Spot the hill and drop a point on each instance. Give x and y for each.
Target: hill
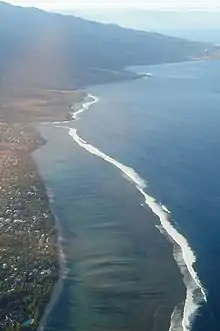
(56, 51)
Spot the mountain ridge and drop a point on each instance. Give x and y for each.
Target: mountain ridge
(62, 51)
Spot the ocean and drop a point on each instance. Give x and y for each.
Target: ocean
(142, 147)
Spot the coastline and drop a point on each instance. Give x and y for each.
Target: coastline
(133, 176)
(59, 284)
(85, 105)
(182, 253)
(135, 256)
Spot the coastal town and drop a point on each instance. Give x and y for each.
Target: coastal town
(29, 265)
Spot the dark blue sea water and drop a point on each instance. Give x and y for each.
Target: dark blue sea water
(166, 127)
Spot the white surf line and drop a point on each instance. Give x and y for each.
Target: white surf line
(165, 209)
(176, 320)
(85, 106)
(184, 255)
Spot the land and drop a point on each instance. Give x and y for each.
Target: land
(28, 237)
(37, 105)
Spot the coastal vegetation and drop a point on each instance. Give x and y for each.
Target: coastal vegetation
(28, 243)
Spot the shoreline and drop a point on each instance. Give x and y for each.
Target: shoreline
(84, 106)
(58, 286)
(162, 212)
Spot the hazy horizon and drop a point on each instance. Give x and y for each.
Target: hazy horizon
(194, 20)
(198, 25)
(153, 5)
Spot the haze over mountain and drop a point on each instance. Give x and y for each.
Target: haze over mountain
(58, 51)
(200, 25)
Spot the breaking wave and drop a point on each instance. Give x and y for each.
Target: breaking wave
(85, 106)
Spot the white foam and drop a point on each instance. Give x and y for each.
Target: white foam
(85, 106)
(185, 259)
(165, 209)
(129, 172)
(75, 114)
(176, 320)
(63, 122)
(184, 255)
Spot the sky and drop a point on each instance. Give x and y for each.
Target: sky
(62, 5)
